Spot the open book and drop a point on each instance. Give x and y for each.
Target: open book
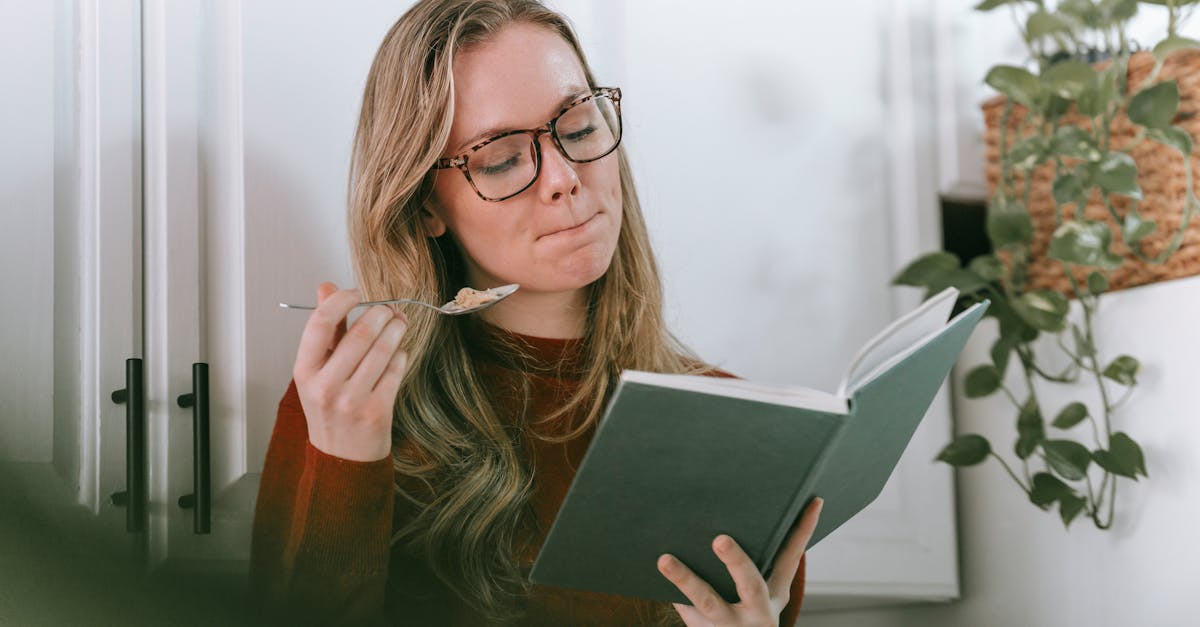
(679, 459)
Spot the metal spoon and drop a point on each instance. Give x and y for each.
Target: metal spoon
(450, 309)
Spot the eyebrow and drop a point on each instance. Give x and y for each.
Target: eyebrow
(576, 92)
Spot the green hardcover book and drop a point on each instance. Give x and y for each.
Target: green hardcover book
(677, 460)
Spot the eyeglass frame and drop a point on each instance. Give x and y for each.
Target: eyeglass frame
(460, 161)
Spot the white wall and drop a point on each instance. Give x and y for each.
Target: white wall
(766, 195)
(26, 230)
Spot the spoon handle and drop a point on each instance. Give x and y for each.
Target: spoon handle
(374, 302)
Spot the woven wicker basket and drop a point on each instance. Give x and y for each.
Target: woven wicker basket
(1161, 176)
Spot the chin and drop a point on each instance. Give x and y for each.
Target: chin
(575, 276)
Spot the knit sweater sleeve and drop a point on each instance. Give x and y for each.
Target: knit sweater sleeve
(322, 525)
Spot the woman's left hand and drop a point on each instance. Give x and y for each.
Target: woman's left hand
(760, 601)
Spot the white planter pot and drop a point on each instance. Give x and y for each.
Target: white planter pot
(1020, 566)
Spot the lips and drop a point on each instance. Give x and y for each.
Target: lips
(570, 228)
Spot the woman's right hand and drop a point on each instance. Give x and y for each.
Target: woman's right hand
(348, 380)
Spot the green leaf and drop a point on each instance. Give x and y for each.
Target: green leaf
(1083, 347)
(982, 381)
(1047, 489)
(1016, 83)
(1085, 244)
(1042, 23)
(1069, 506)
(965, 450)
(1068, 79)
(1011, 324)
(1109, 462)
(1135, 228)
(1099, 94)
(1068, 458)
(1045, 310)
(988, 5)
(1070, 416)
(987, 266)
(1123, 370)
(1173, 43)
(1031, 429)
(1117, 174)
(1009, 225)
(1072, 141)
(1118, 10)
(927, 269)
(1097, 283)
(965, 281)
(1068, 188)
(1128, 452)
(1001, 348)
(1155, 106)
(1029, 152)
(1174, 137)
(1084, 11)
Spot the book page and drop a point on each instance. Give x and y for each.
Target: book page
(740, 388)
(898, 336)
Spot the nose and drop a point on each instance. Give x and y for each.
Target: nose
(558, 177)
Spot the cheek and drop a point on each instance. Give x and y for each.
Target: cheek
(609, 181)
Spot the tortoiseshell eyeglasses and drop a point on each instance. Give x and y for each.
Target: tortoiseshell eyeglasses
(587, 129)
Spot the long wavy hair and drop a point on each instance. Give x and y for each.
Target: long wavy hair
(450, 435)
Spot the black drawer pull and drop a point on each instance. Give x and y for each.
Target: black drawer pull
(200, 500)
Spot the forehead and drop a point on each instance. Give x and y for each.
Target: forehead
(513, 80)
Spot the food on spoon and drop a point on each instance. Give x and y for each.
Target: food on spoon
(468, 298)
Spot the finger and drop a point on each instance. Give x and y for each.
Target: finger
(704, 599)
(689, 614)
(325, 290)
(751, 588)
(366, 376)
(788, 558)
(389, 384)
(354, 347)
(322, 327)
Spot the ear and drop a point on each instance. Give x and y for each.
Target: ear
(435, 226)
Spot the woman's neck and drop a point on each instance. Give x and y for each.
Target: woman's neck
(555, 315)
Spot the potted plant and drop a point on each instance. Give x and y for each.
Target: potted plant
(1090, 191)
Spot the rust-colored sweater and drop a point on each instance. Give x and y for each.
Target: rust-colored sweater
(320, 547)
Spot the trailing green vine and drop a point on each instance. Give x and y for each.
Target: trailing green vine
(1066, 43)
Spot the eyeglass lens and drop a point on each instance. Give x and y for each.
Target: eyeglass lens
(586, 131)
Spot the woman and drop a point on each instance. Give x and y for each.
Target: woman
(417, 459)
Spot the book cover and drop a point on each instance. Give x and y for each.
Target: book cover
(677, 460)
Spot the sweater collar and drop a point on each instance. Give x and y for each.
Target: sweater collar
(536, 355)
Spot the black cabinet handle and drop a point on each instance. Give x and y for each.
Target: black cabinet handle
(133, 497)
(200, 500)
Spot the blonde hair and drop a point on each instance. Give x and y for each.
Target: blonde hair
(454, 437)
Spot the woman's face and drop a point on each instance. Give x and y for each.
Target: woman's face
(518, 80)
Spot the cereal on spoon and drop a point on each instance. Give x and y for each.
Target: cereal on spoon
(468, 297)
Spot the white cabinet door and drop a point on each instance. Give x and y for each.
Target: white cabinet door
(250, 111)
(99, 287)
